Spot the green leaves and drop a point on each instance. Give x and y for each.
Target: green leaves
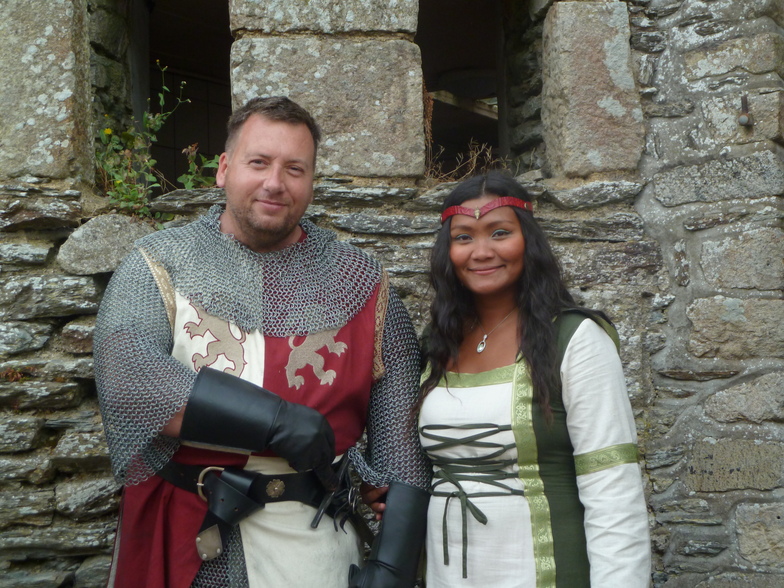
(126, 171)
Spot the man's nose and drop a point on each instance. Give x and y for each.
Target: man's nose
(274, 178)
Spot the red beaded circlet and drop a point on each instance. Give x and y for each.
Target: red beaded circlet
(478, 213)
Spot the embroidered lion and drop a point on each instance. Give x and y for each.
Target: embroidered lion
(306, 354)
(225, 343)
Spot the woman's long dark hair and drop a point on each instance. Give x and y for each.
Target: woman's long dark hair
(541, 294)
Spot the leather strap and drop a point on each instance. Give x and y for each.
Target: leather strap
(233, 494)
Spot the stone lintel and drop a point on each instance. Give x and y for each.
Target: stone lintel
(365, 94)
(326, 16)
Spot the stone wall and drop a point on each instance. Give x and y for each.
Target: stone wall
(664, 208)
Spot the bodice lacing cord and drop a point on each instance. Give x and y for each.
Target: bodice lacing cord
(487, 470)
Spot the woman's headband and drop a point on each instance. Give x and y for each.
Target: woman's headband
(478, 213)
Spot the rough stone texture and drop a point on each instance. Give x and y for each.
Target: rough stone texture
(324, 16)
(83, 499)
(591, 194)
(734, 464)
(767, 111)
(757, 54)
(756, 401)
(761, 533)
(20, 505)
(43, 296)
(22, 253)
(77, 336)
(45, 133)
(99, 245)
(59, 539)
(29, 207)
(19, 336)
(81, 452)
(93, 572)
(590, 106)
(733, 328)
(749, 260)
(19, 433)
(749, 175)
(372, 123)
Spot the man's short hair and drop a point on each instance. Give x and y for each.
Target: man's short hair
(277, 108)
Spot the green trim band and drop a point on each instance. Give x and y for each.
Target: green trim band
(501, 375)
(527, 452)
(602, 459)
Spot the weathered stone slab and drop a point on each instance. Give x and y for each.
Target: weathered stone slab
(750, 260)
(750, 175)
(365, 94)
(27, 297)
(608, 263)
(325, 16)
(591, 194)
(617, 227)
(20, 336)
(767, 111)
(188, 201)
(38, 210)
(34, 394)
(57, 540)
(731, 580)
(19, 504)
(77, 336)
(756, 401)
(731, 328)
(757, 55)
(35, 469)
(22, 253)
(19, 433)
(93, 573)
(760, 529)
(332, 195)
(734, 464)
(45, 133)
(99, 245)
(590, 105)
(694, 511)
(81, 452)
(83, 499)
(377, 224)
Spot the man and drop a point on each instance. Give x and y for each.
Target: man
(235, 357)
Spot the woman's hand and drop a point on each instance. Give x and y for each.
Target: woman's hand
(374, 498)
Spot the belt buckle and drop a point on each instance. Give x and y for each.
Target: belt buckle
(200, 481)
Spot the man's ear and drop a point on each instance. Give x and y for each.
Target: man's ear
(220, 175)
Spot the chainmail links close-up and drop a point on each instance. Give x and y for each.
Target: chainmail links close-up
(393, 448)
(133, 337)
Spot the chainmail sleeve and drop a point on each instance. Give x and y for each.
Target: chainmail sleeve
(393, 449)
(140, 386)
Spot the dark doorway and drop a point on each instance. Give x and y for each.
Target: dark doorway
(192, 39)
(461, 43)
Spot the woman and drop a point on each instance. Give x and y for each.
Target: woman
(536, 482)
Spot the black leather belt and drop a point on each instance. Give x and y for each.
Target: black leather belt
(233, 494)
(302, 487)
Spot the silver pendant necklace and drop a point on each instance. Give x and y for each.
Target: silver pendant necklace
(483, 343)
